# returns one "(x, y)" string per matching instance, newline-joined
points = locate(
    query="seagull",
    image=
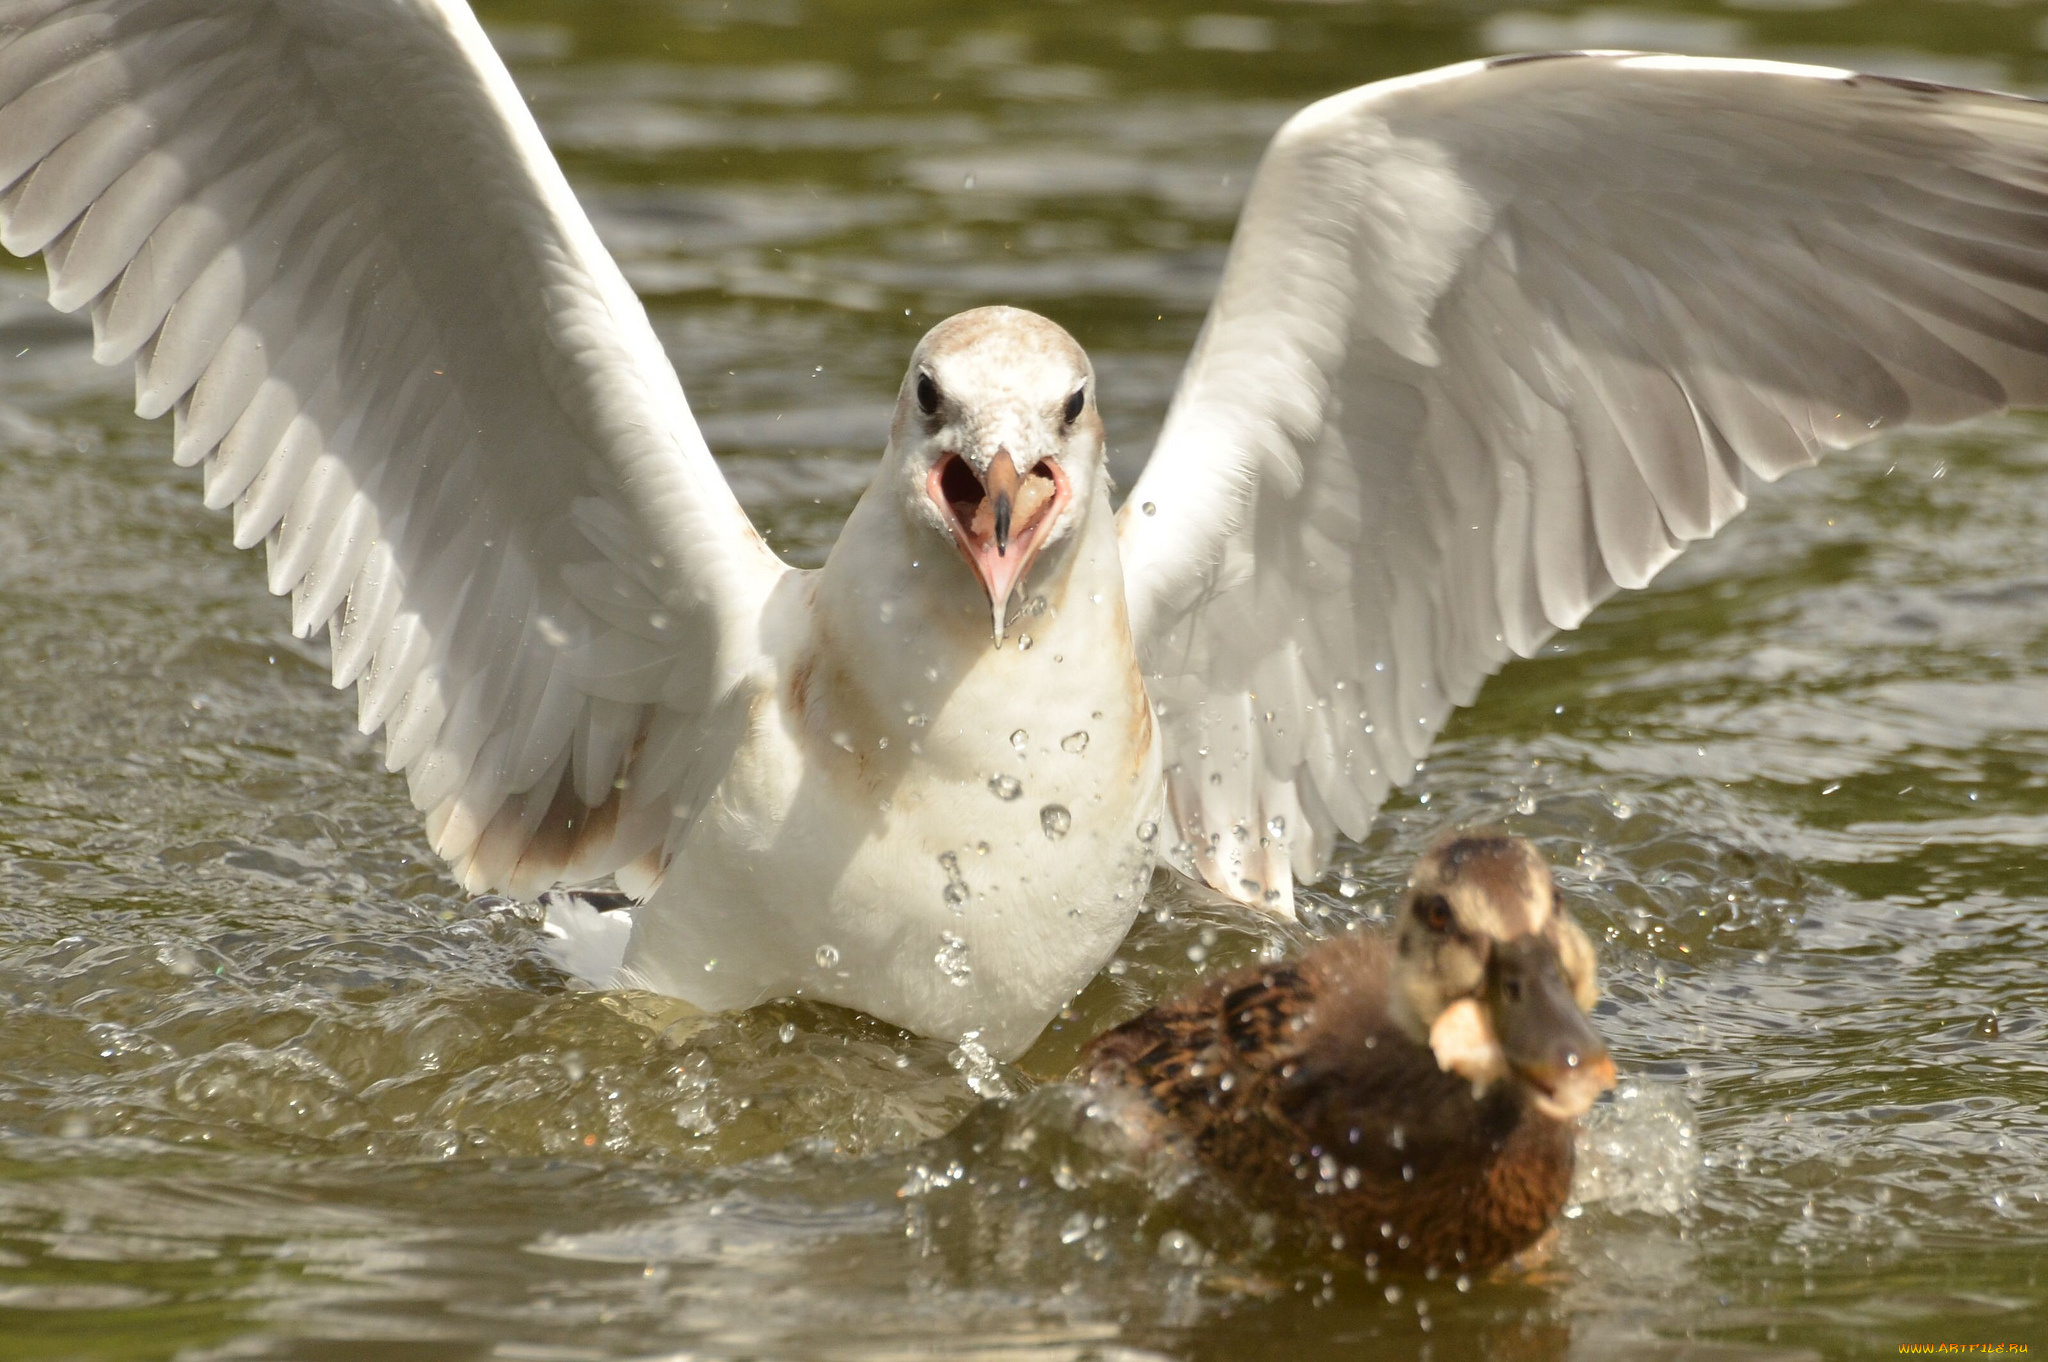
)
(1490, 342)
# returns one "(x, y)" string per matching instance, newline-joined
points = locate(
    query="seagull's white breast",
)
(949, 836)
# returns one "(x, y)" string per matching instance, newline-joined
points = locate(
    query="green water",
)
(270, 1087)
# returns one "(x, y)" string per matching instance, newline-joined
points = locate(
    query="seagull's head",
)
(1494, 977)
(998, 444)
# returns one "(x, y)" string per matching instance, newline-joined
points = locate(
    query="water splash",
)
(952, 960)
(974, 1063)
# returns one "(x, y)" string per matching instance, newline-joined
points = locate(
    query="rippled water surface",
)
(271, 1087)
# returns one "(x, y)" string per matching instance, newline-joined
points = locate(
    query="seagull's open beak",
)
(1000, 523)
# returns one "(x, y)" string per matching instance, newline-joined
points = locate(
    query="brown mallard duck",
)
(1409, 1093)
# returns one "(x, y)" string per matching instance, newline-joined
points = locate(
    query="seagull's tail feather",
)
(585, 932)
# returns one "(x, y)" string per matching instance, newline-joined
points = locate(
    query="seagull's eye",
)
(927, 395)
(1075, 402)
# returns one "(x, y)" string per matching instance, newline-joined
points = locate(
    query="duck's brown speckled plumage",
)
(1409, 1094)
(1293, 1083)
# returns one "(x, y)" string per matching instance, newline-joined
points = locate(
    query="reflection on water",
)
(269, 1086)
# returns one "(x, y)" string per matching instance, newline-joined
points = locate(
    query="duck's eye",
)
(927, 395)
(1075, 403)
(1434, 912)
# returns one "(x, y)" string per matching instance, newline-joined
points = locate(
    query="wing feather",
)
(331, 239)
(1496, 340)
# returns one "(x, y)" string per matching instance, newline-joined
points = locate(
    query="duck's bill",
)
(1528, 1026)
(1570, 1093)
(1545, 1040)
(999, 522)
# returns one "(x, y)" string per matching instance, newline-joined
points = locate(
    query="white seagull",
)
(1491, 342)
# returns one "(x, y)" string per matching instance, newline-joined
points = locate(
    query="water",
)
(271, 1087)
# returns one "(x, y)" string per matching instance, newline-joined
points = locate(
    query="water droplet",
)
(786, 1032)
(1075, 742)
(952, 960)
(980, 1069)
(1180, 1248)
(1525, 804)
(955, 893)
(1622, 807)
(1076, 1228)
(1349, 887)
(1147, 830)
(1023, 643)
(1150, 508)
(1055, 819)
(828, 956)
(1005, 787)
(1019, 740)
(1276, 826)
(916, 720)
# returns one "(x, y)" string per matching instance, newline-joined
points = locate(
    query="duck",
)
(1408, 1093)
(1491, 343)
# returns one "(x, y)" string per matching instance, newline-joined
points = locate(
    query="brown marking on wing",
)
(569, 827)
(651, 866)
(566, 834)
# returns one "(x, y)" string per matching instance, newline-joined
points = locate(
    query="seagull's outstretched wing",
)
(333, 242)
(1497, 339)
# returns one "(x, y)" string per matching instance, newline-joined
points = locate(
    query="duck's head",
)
(996, 444)
(1494, 977)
